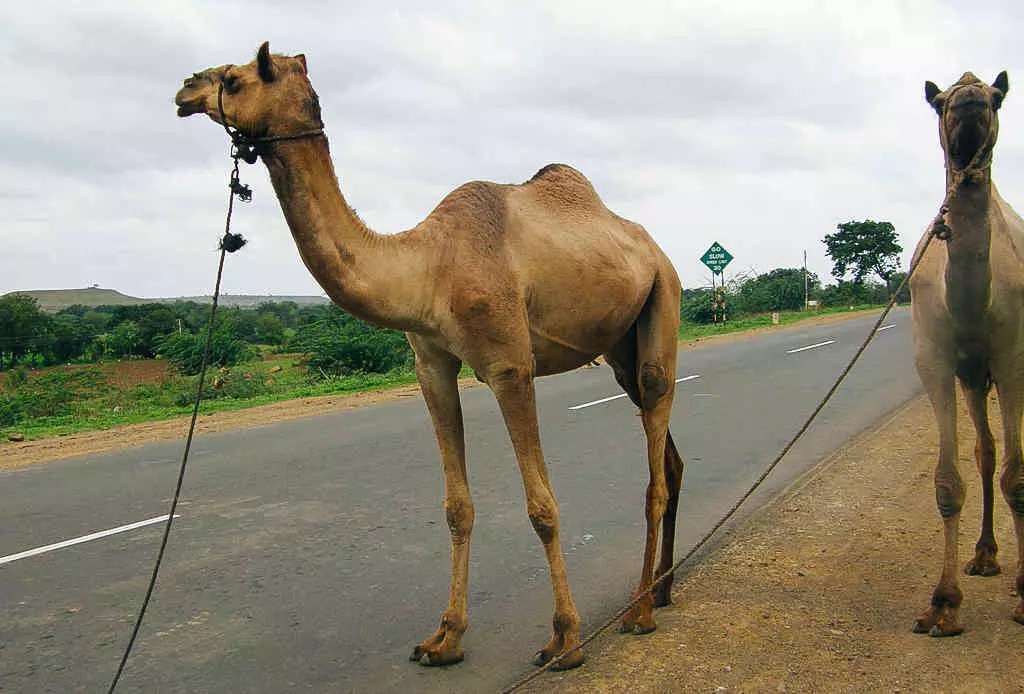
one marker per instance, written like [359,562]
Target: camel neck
[968,272]
[358,268]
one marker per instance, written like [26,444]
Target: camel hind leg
[645,365]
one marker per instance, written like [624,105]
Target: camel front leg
[438,372]
[1011,481]
[984,561]
[513,388]
[942,618]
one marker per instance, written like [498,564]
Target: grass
[58,405]
[66,400]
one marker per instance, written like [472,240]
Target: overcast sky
[761,125]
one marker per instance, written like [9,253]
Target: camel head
[269,97]
[968,120]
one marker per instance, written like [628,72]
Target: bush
[185,351]
[340,344]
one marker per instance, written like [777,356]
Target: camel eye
[230,84]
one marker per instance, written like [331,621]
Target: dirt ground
[818,592]
[815,593]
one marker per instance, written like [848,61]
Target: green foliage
[50,394]
[696,306]
[339,344]
[24,328]
[185,350]
[781,289]
[863,248]
[854,294]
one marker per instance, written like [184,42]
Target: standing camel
[516,281]
[968,320]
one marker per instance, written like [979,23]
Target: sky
[758,125]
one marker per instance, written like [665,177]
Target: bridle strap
[248,148]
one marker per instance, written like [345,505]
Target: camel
[968,324]
[515,281]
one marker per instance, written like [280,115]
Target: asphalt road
[312,554]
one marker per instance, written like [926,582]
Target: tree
[864,248]
[782,289]
[24,328]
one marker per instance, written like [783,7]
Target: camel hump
[564,186]
[559,172]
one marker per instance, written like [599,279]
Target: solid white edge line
[622,395]
[84,538]
[804,349]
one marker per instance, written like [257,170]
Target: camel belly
[550,357]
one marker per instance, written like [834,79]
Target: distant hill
[53,300]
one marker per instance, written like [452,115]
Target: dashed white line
[622,395]
[816,346]
[84,538]
[886,327]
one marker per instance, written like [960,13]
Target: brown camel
[516,281]
[968,319]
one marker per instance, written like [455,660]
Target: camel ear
[265,63]
[301,57]
[931,93]
[1002,84]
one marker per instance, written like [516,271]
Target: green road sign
[716,258]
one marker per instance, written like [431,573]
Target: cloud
[758,125]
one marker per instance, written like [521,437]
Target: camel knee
[544,519]
[509,374]
[460,515]
[657,500]
[653,384]
[1012,484]
[949,495]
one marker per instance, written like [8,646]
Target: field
[63,400]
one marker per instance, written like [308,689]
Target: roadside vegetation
[95,367]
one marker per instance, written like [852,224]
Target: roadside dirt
[818,592]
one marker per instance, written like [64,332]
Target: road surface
[312,554]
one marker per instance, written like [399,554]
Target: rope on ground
[229,243]
[526,679]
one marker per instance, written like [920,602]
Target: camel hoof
[982,566]
[940,631]
[429,658]
[570,661]
[1018,615]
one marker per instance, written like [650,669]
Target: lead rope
[523,681]
[229,243]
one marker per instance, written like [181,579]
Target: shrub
[340,344]
[185,351]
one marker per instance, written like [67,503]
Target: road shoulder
[818,591]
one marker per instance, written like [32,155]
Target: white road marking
[804,349]
[886,327]
[84,538]
[622,395]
